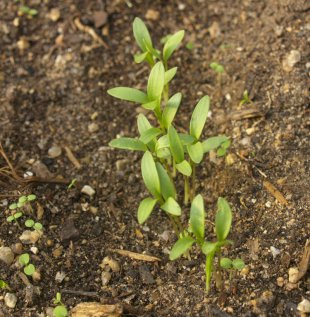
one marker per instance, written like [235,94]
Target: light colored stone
[105,278]
[280,281]
[88,190]
[274,251]
[152,15]
[291,60]
[60,276]
[93,127]
[54,151]
[293,273]
[6,255]
[110,263]
[54,14]
[34,250]
[10,300]
[304,306]
[29,237]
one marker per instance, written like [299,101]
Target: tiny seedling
[60,310]
[29,268]
[245,99]
[29,223]
[25,10]
[13,218]
[190,46]
[218,68]
[72,183]
[4,285]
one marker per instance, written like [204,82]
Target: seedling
[29,268]
[29,223]
[190,46]
[72,184]
[168,153]
[27,11]
[4,285]
[246,99]
[195,233]
[13,218]
[60,310]
[218,68]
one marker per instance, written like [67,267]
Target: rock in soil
[105,278]
[69,231]
[145,275]
[88,190]
[6,255]
[29,237]
[304,306]
[10,300]
[54,151]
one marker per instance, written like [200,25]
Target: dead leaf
[275,193]
[136,256]
[305,261]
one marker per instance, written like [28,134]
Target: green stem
[186,190]
[193,189]
[174,171]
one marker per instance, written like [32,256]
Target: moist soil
[54,75]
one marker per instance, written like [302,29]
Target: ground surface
[53,79]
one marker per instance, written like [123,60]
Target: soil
[54,77]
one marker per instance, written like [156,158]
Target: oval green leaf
[184,168]
[22,199]
[128,94]
[145,209]
[31,197]
[150,105]
[223,219]
[195,152]
[209,247]
[149,135]
[199,117]
[60,311]
[128,144]
[139,58]
[171,109]
[172,43]
[29,223]
[238,264]
[172,207]
[29,269]
[197,218]
[150,175]
[176,146]
[13,206]
[226,263]
[38,226]
[169,74]
[213,143]
[24,259]
[180,247]
[186,139]
[141,34]
[155,84]
[166,184]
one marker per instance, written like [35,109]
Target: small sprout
[217,67]
[28,11]
[72,183]
[60,310]
[29,268]
[238,264]
[31,197]
[4,285]
[190,46]
[29,223]
[13,206]
[246,99]
[226,263]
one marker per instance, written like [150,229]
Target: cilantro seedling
[245,99]
[60,310]
[25,10]
[4,285]
[29,268]
[190,46]
[72,183]
[29,223]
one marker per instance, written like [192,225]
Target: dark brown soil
[55,87]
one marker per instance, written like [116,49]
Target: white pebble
[88,190]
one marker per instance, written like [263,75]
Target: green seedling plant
[245,99]
[219,69]
[4,285]
[29,268]
[27,11]
[167,153]
[60,310]
[30,223]
[195,234]
[232,266]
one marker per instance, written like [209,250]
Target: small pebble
[290,60]
[304,306]
[54,151]
[10,300]
[88,190]
[280,281]
[105,278]
[60,276]
[93,127]
[34,250]
[54,14]
[29,237]
[110,263]
[274,251]
[293,273]
[6,255]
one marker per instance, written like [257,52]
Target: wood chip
[136,256]
[72,158]
[275,193]
[245,114]
[90,31]
[93,309]
[305,261]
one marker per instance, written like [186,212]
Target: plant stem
[174,172]
[186,190]
[193,189]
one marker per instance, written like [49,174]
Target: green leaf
[145,209]
[195,152]
[31,197]
[139,58]
[166,184]
[20,204]
[22,199]
[150,175]
[13,206]
[209,268]
[143,123]
[197,218]
[38,226]
[223,219]
[226,263]
[29,269]
[128,144]
[172,43]
[162,142]
[184,168]
[3,284]
[149,135]
[33,12]
[199,117]
[172,207]
[169,74]
[221,152]
[58,298]
[186,139]
[155,84]
[128,94]
[163,153]
[151,105]
[29,223]
[217,67]
[60,311]
[171,109]
[176,146]
[213,143]
[24,259]
[141,34]
[238,264]
[209,247]
[180,247]
[18,215]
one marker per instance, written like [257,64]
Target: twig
[80,293]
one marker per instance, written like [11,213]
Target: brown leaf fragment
[275,193]
[245,114]
[100,18]
[72,158]
[93,309]
[136,256]
[305,261]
